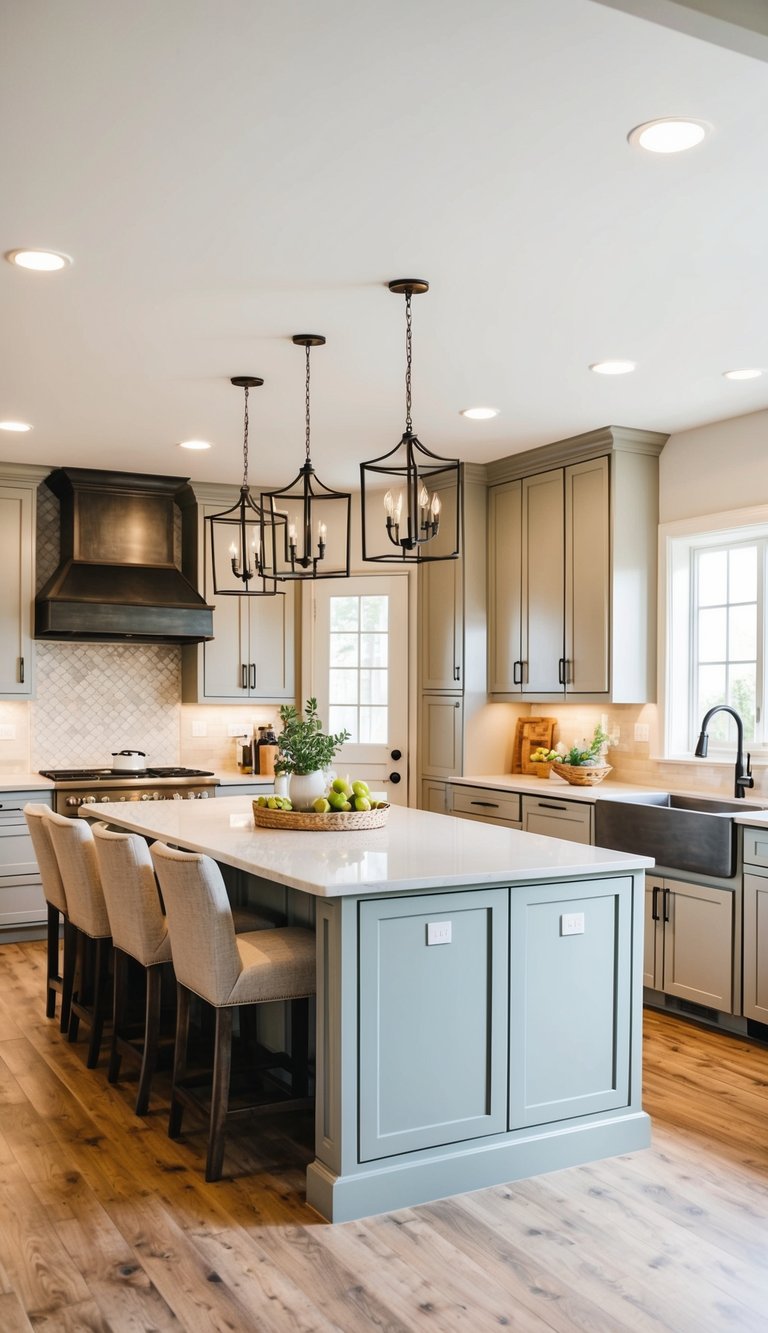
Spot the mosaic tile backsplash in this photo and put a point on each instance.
(93, 698)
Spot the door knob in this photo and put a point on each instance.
(395, 754)
(394, 777)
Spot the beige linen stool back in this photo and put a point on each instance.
(139, 931)
(56, 899)
(228, 970)
(76, 856)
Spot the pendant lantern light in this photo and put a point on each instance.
(307, 521)
(237, 535)
(410, 495)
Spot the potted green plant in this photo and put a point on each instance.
(304, 752)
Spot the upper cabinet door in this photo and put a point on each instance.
(272, 649)
(543, 584)
(505, 668)
(16, 553)
(440, 625)
(587, 577)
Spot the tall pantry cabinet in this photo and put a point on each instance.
(572, 570)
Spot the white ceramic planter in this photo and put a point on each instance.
(304, 788)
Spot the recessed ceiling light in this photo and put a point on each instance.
(613, 367)
(668, 135)
(752, 373)
(194, 444)
(45, 261)
(479, 413)
(14, 425)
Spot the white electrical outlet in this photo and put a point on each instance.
(7, 731)
(199, 728)
(438, 932)
(642, 731)
(572, 923)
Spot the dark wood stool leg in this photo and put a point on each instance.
(68, 973)
(154, 977)
(118, 1010)
(179, 1059)
(300, 1047)
(78, 984)
(100, 992)
(52, 967)
(222, 1069)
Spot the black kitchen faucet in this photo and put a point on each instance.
(743, 775)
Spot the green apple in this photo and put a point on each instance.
(361, 789)
(341, 785)
(336, 799)
(346, 806)
(321, 806)
(362, 803)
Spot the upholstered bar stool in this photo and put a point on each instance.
(227, 971)
(56, 900)
(76, 856)
(139, 931)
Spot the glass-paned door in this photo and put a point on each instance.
(360, 676)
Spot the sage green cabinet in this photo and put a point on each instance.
(440, 738)
(688, 948)
(756, 947)
(572, 570)
(434, 796)
(570, 1000)
(441, 625)
(251, 656)
(17, 520)
(433, 1020)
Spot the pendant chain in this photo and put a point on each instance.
(408, 361)
(245, 440)
(306, 405)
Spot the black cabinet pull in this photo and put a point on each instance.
(394, 777)
(253, 675)
(243, 676)
(21, 670)
(667, 895)
(395, 754)
(517, 667)
(561, 670)
(655, 904)
(489, 805)
(546, 805)
(457, 673)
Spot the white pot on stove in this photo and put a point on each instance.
(129, 761)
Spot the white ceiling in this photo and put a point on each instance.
(226, 174)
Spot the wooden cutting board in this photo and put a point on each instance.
(530, 733)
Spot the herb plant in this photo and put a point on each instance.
(591, 755)
(303, 745)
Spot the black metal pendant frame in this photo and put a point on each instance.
(409, 470)
(305, 518)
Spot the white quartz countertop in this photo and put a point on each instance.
(415, 850)
(530, 785)
(24, 782)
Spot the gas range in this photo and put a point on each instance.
(74, 787)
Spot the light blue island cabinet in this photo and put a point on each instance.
(479, 995)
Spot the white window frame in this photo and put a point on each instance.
(677, 541)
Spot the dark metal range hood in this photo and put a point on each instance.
(117, 581)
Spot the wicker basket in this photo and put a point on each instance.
(541, 770)
(336, 821)
(582, 775)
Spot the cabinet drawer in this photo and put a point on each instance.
(555, 818)
(756, 846)
(484, 803)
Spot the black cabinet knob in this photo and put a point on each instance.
(395, 778)
(395, 754)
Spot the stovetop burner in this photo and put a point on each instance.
(119, 774)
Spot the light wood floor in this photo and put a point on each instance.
(107, 1224)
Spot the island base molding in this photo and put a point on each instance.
(388, 1186)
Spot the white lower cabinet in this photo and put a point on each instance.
(688, 948)
(556, 818)
(22, 901)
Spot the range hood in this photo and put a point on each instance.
(117, 581)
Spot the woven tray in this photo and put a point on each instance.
(582, 775)
(336, 821)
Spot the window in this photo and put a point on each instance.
(716, 627)
(358, 685)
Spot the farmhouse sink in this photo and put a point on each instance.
(694, 833)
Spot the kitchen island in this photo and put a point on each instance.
(479, 994)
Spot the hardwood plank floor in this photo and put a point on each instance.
(105, 1224)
